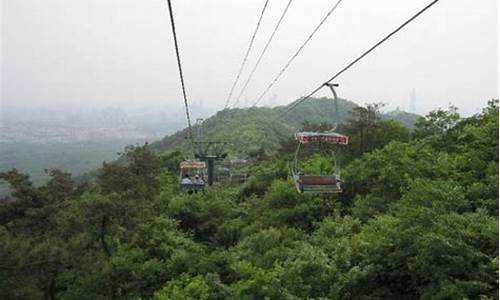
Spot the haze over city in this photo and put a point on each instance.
(94, 53)
(139, 158)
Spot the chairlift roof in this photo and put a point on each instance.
(307, 137)
(193, 164)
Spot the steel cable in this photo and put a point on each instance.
(289, 62)
(245, 58)
(298, 102)
(263, 52)
(179, 65)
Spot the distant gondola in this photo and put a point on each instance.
(193, 175)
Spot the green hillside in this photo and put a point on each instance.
(245, 129)
(251, 129)
(417, 219)
(408, 119)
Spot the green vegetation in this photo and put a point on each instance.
(418, 220)
(250, 131)
(255, 129)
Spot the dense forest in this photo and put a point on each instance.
(418, 219)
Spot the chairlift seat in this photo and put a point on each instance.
(317, 184)
(317, 180)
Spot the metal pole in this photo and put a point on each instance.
(331, 86)
(210, 162)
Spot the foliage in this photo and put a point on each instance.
(418, 220)
(437, 123)
(255, 131)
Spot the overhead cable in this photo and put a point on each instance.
(181, 75)
(263, 51)
(245, 58)
(298, 102)
(289, 62)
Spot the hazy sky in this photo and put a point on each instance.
(120, 52)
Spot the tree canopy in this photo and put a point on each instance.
(418, 220)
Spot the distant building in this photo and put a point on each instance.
(413, 101)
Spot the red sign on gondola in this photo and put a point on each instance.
(329, 138)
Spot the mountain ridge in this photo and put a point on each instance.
(254, 128)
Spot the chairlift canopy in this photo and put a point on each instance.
(324, 137)
(193, 164)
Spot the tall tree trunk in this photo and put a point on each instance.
(52, 289)
(104, 222)
(103, 235)
(361, 140)
(49, 291)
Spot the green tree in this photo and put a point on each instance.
(360, 120)
(436, 123)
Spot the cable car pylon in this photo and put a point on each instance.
(208, 151)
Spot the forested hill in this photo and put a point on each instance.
(417, 219)
(257, 128)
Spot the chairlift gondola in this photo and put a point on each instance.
(233, 171)
(238, 170)
(193, 175)
(319, 183)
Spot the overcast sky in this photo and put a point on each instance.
(120, 52)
